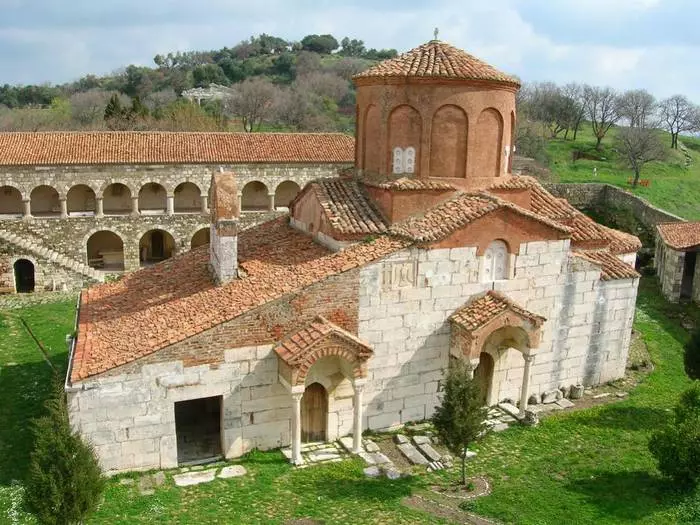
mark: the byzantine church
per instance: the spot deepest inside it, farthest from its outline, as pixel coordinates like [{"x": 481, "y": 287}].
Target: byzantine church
[{"x": 344, "y": 315}]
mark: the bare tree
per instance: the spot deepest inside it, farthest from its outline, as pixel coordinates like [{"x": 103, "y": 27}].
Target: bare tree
[
  {"x": 327, "y": 85},
  {"x": 349, "y": 66},
  {"x": 88, "y": 107},
  {"x": 637, "y": 106},
  {"x": 252, "y": 101},
  {"x": 576, "y": 95},
  {"x": 602, "y": 108},
  {"x": 679, "y": 115},
  {"x": 638, "y": 146},
  {"x": 158, "y": 101}
]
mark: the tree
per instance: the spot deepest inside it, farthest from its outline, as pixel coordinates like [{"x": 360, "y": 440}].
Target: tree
[
  {"x": 351, "y": 48},
  {"x": 639, "y": 146},
  {"x": 208, "y": 74},
  {"x": 251, "y": 100},
  {"x": 87, "y": 108},
  {"x": 676, "y": 447},
  {"x": 460, "y": 420},
  {"x": 323, "y": 44},
  {"x": 637, "y": 106},
  {"x": 577, "y": 99},
  {"x": 679, "y": 115},
  {"x": 602, "y": 109},
  {"x": 114, "y": 109},
  {"x": 691, "y": 357},
  {"x": 65, "y": 482}
]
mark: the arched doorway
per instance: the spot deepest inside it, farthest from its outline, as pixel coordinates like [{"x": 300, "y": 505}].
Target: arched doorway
[
  {"x": 45, "y": 202},
  {"x": 24, "y": 276},
  {"x": 314, "y": 413},
  {"x": 188, "y": 198},
  {"x": 285, "y": 193},
  {"x": 105, "y": 250},
  {"x": 11, "y": 202},
  {"x": 116, "y": 199},
  {"x": 483, "y": 376},
  {"x": 156, "y": 246},
  {"x": 200, "y": 238},
  {"x": 81, "y": 200},
  {"x": 254, "y": 197},
  {"x": 153, "y": 200}
]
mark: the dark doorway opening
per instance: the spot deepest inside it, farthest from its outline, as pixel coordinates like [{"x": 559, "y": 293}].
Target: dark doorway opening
[
  {"x": 688, "y": 274},
  {"x": 157, "y": 244},
  {"x": 24, "y": 276},
  {"x": 198, "y": 429},
  {"x": 314, "y": 413},
  {"x": 483, "y": 375}
]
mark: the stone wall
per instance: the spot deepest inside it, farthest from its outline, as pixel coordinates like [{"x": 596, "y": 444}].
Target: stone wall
[{"x": 669, "y": 265}]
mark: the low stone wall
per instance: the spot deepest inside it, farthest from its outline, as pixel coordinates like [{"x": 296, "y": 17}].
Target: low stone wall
[{"x": 16, "y": 301}]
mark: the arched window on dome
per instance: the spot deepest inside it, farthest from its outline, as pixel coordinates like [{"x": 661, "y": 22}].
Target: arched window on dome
[{"x": 495, "y": 266}]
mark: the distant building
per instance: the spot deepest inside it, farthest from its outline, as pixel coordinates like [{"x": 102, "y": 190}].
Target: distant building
[{"x": 677, "y": 264}]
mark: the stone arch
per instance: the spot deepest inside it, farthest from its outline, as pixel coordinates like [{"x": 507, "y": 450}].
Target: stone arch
[
  {"x": 187, "y": 198},
  {"x": 45, "y": 202},
  {"x": 486, "y": 157},
  {"x": 24, "y": 273},
  {"x": 153, "y": 199},
  {"x": 200, "y": 237},
  {"x": 448, "y": 142},
  {"x": 81, "y": 200},
  {"x": 354, "y": 368},
  {"x": 11, "y": 201},
  {"x": 285, "y": 193},
  {"x": 255, "y": 197},
  {"x": 508, "y": 347},
  {"x": 105, "y": 250},
  {"x": 371, "y": 144},
  {"x": 116, "y": 199},
  {"x": 405, "y": 131},
  {"x": 155, "y": 245}
]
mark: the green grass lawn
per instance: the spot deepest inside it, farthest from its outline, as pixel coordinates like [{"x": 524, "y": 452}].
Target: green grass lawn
[
  {"x": 590, "y": 466},
  {"x": 674, "y": 187}
]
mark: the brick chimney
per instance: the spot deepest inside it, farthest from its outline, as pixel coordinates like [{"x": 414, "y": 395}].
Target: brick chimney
[{"x": 223, "y": 244}]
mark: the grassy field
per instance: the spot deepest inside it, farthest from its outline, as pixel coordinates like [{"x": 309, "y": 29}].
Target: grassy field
[
  {"x": 674, "y": 187},
  {"x": 590, "y": 466}
]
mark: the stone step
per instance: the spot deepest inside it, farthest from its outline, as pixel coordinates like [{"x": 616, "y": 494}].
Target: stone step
[
  {"x": 435, "y": 465},
  {"x": 428, "y": 451},
  {"x": 411, "y": 454}
]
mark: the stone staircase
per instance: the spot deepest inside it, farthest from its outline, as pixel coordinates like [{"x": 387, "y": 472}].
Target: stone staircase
[{"x": 35, "y": 246}]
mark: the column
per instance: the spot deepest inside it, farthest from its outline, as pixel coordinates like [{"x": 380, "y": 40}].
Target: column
[
  {"x": 99, "y": 211},
  {"x": 205, "y": 204},
  {"x": 296, "y": 428},
  {"x": 170, "y": 205},
  {"x": 240, "y": 202},
  {"x": 27, "y": 209},
  {"x": 357, "y": 419},
  {"x": 64, "y": 207},
  {"x": 525, "y": 390},
  {"x": 134, "y": 205},
  {"x": 271, "y": 203}
]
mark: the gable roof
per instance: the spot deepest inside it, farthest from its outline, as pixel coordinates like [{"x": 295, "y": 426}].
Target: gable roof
[
  {"x": 611, "y": 267},
  {"x": 436, "y": 59},
  {"x": 680, "y": 235},
  {"x": 157, "y": 147},
  {"x": 172, "y": 301},
  {"x": 484, "y": 309}
]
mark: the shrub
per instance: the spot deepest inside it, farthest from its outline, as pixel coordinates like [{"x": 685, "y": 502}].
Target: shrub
[
  {"x": 65, "y": 481},
  {"x": 691, "y": 358}
]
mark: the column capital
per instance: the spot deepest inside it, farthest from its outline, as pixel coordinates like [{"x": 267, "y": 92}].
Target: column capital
[
  {"x": 529, "y": 358},
  {"x": 296, "y": 396}
]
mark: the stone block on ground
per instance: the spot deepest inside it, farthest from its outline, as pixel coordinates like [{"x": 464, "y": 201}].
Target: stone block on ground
[
  {"x": 435, "y": 465},
  {"x": 380, "y": 459},
  {"x": 368, "y": 458},
  {"x": 550, "y": 396},
  {"x": 510, "y": 409},
  {"x": 372, "y": 472},
  {"x": 146, "y": 487},
  {"x": 400, "y": 439},
  {"x": 576, "y": 392},
  {"x": 428, "y": 451},
  {"x": 194, "y": 478},
  {"x": 411, "y": 454},
  {"x": 371, "y": 446},
  {"x": 601, "y": 396},
  {"x": 392, "y": 472},
  {"x": 621, "y": 394},
  {"x": 346, "y": 441},
  {"x": 287, "y": 452},
  {"x": 533, "y": 400},
  {"x": 158, "y": 479},
  {"x": 232, "y": 471},
  {"x": 500, "y": 427},
  {"x": 421, "y": 440},
  {"x": 565, "y": 403},
  {"x": 324, "y": 455}
]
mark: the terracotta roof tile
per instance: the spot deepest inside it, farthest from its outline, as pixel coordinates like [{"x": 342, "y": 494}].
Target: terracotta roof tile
[
  {"x": 436, "y": 59},
  {"x": 410, "y": 184},
  {"x": 175, "y": 300},
  {"x": 622, "y": 242},
  {"x": 485, "y": 308},
  {"x": 612, "y": 268},
  {"x": 151, "y": 147},
  {"x": 680, "y": 235},
  {"x": 515, "y": 182},
  {"x": 294, "y": 347},
  {"x": 348, "y": 209}
]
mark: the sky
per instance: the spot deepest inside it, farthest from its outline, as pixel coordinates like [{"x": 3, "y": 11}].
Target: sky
[{"x": 625, "y": 44}]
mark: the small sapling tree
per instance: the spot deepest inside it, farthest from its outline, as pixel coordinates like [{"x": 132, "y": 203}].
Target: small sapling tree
[{"x": 460, "y": 420}]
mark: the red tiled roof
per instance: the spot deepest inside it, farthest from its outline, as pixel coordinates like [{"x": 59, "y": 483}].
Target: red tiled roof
[
  {"x": 680, "y": 235},
  {"x": 622, "y": 242},
  {"x": 155, "y": 147},
  {"x": 410, "y": 184},
  {"x": 482, "y": 310},
  {"x": 172, "y": 301},
  {"x": 447, "y": 217},
  {"x": 295, "y": 347},
  {"x": 348, "y": 210},
  {"x": 612, "y": 268},
  {"x": 436, "y": 59},
  {"x": 514, "y": 182}
]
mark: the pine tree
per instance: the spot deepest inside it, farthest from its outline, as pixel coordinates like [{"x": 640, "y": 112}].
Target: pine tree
[
  {"x": 65, "y": 482},
  {"x": 691, "y": 357},
  {"x": 114, "y": 109},
  {"x": 461, "y": 418}
]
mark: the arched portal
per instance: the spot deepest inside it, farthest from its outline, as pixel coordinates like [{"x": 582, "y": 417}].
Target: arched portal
[
  {"x": 255, "y": 197},
  {"x": 45, "y": 202},
  {"x": 153, "y": 200},
  {"x": 105, "y": 250},
  {"x": 188, "y": 198},
  {"x": 24, "y": 276},
  {"x": 156, "y": 246},
  {"x": 116, "y": 199},
  {"x": 314, "y": 413},
  {"x": 81, "y": 200},
  {"x": 483, "y": 375},
  {"x": 285, "y": 193},
  {"x": 200, "y": 238},
  {"x": 11, "y": 202}
]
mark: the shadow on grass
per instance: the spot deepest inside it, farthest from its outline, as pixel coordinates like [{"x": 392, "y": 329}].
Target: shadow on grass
[
  {"x": 366, "y": 489},
  {"x": 628, "y": 496},
  {"x": 23, "y": 390},
  {"x": 626, "y": 417}
]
